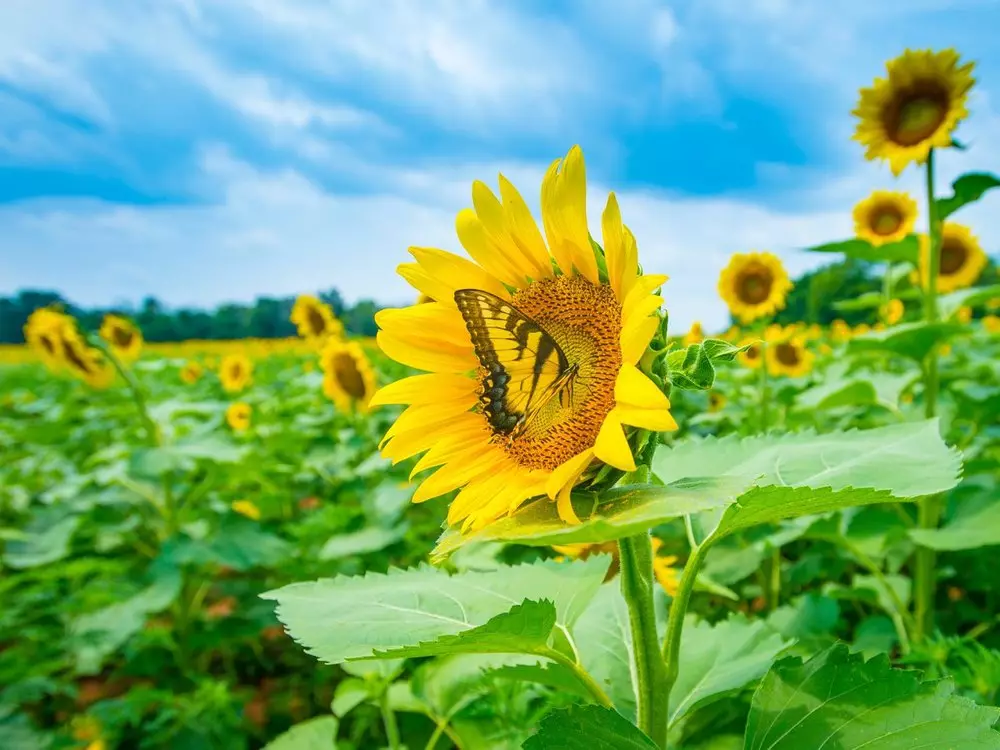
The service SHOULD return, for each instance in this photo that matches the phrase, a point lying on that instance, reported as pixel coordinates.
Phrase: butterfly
(525, 367)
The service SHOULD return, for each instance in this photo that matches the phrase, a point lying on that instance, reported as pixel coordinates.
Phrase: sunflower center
(885, 220)
(754, 284)
(953, 256)
(345, 369)
(122, 337)
(916, 113)
(585, 321)
(317, 323)
(787, 354)
(235, 371)
(753, 352)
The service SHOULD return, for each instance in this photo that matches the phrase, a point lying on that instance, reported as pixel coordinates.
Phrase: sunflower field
(529, 514)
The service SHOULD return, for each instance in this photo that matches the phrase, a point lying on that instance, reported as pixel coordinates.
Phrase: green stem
(138, 396)
(764, 395)
(929, 509)
(675, 620)
(595, 690)
(636, 554)
(389, 719)
(774, 590)
(439, 728)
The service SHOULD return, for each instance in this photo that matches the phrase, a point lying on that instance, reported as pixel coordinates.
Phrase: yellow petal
(420, 416)
(640, 308)
(524, 231)
(657, 420)
(564, 214)
(455, 272)
(611, 446)
(564, 506)
(636, 338)
(614, 244)
(643, 286)
(453, 475)
(420, 358)
(403, 445)
(491, 213)
(567, 472)
(630, 273)
(478, 244)
(424, 389)
(634, 388)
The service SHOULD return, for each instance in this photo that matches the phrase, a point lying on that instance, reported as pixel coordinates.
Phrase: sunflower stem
(135, 389)
(929, 510)
(636, 555)
(764, 393)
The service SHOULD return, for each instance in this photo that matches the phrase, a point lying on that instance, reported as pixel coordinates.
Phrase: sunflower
(235, 372)
(916, 108)
(754, 285)
(315, 320)
(584, 550)
(423, 298)
(716, 401)
(993, 303)
(885, 216)
(348, 377)
(893, 311)
(556, 297)
(123, 336)
(750, 357)
(238, 416)
(246, 508)
(962, 258)
(44, 332)
(191, 373)
(86, 362)
(840, 331)
(664, 570)
(964, 314)
(694, 335)
(786, 354)
(991, 323)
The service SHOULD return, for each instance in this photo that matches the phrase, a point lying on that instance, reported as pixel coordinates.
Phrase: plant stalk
(636, 554)
(764, 391)
(389, 719)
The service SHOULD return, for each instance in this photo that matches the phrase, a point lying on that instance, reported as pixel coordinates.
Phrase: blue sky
(204, 151)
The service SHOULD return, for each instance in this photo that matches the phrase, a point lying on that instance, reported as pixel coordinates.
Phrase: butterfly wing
(525, 366)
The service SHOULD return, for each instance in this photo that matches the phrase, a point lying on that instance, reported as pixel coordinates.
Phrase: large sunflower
(786, 353)
(754, 285)
(123, 336)
(315, 320)
(915, 108)
(885, 216)
(495, 430)
(962, 258)
(235, 372)
(348, 377)
(44, 332)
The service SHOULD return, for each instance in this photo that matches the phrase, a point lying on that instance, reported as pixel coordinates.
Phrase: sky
(207, 151)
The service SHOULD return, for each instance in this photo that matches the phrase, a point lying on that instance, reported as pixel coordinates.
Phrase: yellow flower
(584, 550)
(348, 377)
(840, 331)
(885, 216)
(991, 323)
(963, 314)
(754, 285)
(694, 334)
(962, 258)
(246, 508)
(944, 350)
(238, 415)
(993, 303)
(424, 298)
(893, 311)
(315, 320)
(751, 357)
(861, 329)
(44, 331)
(733, 334)
(786, 354)
(916, 108)
(86, 362)
(123, 336)
(496, 433)
(716, 401)
(191, 373)
(664, 570)
(235, 372)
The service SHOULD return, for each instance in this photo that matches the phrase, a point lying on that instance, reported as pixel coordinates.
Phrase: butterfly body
(523, 367)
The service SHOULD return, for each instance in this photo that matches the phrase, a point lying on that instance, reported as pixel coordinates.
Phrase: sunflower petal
(657, 420)
(567, 472)
(634, 388)
(417, 357)
(477, 243)
(611, 446)
(454, 272)
(524, 231)
(424, 389)
(636, 338)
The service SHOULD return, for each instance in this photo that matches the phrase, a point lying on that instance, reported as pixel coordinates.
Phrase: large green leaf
(719, 659)
(604, 638)
(620, 512)
(591, 727)
(907, 249)
(838, 701)
(912, 340)
(368, 539)
(882, 389)
(948, 304)
(356, 617)
(975, 524)
(313, 734)
(967, 189)
(42, 543)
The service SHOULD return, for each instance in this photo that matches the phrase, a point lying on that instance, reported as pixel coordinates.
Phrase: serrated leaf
(592, 727)
(968, 188)
(619, 512)
(353, 617)
(693, 367)
(907, 249)
(912, 340)
(313, 734)
(838, 701)
(719, 659)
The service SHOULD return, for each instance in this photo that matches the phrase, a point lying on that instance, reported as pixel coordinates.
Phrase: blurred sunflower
(754, 285)
(664, 570)
(123, 336)
(238, 416)
(716, 401)
(246, 508)
(964, 314)
(885, 216)
(860, 329)
(991, 323)
(993, 303)
(892, 311)
(235, 372)
(86, 362)
(786, 354)
(315, 320)
(44, 332)
(191, 373)
(915, 108)
(839, 331)
(962, 258)
(348, 377)
(584, 550)
(694, 334)
(498, 431)
(751, 357)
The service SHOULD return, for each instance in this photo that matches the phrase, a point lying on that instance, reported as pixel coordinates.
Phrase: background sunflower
(754, 285)
(885, 216)
(348, 377)
(235, 372)
(786, 354)
(962, 258)
(123, 336)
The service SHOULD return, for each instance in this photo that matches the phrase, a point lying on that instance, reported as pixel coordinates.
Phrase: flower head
(664, 570)
(44, 332)
(246, 508)
(786, 353)
(315, 320)
(962, 259)
(123, 336)
(86, 362)
(754, 285)
(238, 416)
(531, 348)
(235, 372)
(885, 216)
(893, 311)
(348, 377)
(915, 108)
(191, 372)
(964, 314)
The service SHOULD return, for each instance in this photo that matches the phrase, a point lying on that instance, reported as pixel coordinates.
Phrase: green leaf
(974, 525)
(524, 629)
(968, 188)
(693, 367)
(449, 684)
(907, 249)
(866, 301)
(355, 617)
(592, 727)
(604, 638)
(912, 340)
(348, 695)
(881, 389)
(240, 543)
(367, 540)
(619, 512)
(551, 675)
(838, 701)
(809, 616)
(314, 734)
(719, 659)
(949, 304)
(42, 543)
